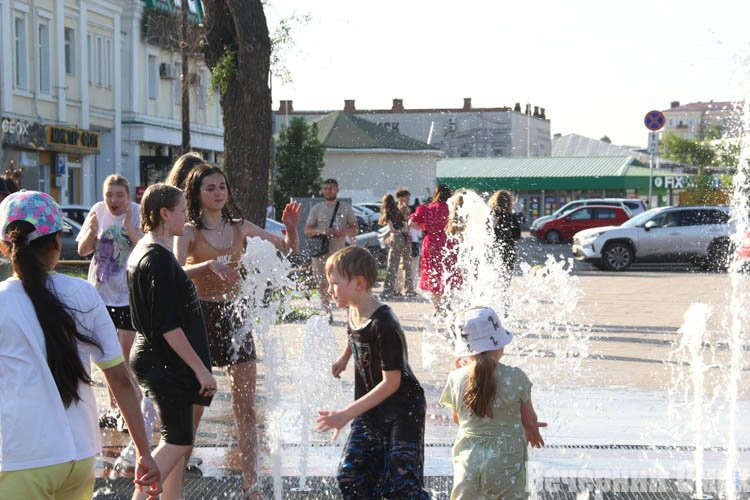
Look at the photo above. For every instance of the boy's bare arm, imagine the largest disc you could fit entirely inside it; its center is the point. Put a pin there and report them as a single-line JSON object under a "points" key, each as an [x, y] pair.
{"points": [[339, 365], [337, 419]]}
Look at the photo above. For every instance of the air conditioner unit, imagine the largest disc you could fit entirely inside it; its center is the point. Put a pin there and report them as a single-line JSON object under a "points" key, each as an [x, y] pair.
{"points": [[168, 72]]}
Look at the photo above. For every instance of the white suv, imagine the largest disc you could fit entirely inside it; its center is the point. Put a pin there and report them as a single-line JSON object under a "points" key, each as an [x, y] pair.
{"points": [[700, 235], [633, 205]]}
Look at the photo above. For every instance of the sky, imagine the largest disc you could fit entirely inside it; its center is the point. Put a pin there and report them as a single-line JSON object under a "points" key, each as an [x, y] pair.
{"points": [[596, 67]]}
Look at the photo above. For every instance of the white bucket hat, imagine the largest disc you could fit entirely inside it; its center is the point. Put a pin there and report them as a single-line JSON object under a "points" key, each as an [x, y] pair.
{"points": [[479, 331]]}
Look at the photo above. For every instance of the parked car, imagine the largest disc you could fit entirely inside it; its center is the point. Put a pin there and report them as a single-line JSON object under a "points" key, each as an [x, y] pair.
{"points": [[76, 213], [584, 217], [370, 217], [696, 234], [69, 244], [371, 205], [743, 252], [373, 241], [276, 228], [634, 205]]}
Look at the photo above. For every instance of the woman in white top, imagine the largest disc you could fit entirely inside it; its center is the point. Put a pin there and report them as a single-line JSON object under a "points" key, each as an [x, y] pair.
{"points": [[53, 326]]}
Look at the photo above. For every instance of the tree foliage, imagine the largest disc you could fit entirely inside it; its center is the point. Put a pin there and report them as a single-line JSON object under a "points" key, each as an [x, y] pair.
{"points": [[299, 160], [700, 153]]}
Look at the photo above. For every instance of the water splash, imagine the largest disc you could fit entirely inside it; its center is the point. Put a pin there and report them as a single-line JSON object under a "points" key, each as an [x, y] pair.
{"points": [[314, 380], [265, 291], [739, 298]]}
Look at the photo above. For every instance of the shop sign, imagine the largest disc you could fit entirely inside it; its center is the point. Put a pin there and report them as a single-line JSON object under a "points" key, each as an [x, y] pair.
{"points": [[22, 133], [72, 139], [672, 182]]}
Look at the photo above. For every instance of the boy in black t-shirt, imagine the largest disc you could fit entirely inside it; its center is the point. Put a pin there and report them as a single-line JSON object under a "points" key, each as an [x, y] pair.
{"points": [[384, 455]]}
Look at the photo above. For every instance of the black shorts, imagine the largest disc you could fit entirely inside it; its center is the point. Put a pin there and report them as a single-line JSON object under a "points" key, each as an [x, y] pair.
{"points": [[229, 345], [121, 317], [176, 417]]}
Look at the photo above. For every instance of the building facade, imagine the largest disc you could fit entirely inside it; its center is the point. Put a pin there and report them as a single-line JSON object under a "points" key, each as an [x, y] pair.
{"points": [[458, 132], [59, 88], [91, 87], [698, 120]]}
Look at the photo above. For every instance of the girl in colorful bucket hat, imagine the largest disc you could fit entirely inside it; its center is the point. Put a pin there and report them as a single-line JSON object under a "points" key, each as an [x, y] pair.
{"points": [[53, 327], [491, 402]]}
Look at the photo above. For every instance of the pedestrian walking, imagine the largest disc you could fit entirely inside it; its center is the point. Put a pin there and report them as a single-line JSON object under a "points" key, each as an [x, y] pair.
{"points": [[399, 246]]}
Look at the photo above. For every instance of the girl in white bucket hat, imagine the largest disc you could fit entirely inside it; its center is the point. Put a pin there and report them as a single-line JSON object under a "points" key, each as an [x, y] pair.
{"points": [[491, 402]]}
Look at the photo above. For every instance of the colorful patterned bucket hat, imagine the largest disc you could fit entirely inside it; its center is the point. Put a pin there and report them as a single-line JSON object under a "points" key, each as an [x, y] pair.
{"points": [[38, 209]]}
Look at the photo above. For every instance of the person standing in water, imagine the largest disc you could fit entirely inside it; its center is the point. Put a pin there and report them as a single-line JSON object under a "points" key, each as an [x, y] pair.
{"points": [[171, 358], [210, 249], [53, 326]]}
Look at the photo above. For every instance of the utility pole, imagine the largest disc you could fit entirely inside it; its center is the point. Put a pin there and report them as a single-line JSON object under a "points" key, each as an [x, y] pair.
{"points": [[184, 80]]}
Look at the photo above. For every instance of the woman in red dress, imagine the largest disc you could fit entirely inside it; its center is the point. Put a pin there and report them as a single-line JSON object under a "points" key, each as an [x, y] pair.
{"points": [[432, 219]]}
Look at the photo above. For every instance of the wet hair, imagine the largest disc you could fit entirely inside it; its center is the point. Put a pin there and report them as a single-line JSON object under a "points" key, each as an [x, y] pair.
{"points": [[331, 181], [156, 197], [193, 195], [388, 210], [61, 335], [501, 201], [402, 192], [116, 180], [442, 193], [353, 261], [181, 168], [481, 387]]}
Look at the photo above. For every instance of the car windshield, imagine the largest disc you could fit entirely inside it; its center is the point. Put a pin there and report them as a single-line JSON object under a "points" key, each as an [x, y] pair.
{"points": [[641, 218]]}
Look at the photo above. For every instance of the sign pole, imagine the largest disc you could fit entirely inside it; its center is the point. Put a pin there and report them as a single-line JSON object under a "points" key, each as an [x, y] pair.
{"points": [[650, 179], [654, 120]]}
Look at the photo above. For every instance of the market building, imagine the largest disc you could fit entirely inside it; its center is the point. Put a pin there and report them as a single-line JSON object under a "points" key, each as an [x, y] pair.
{"points": [[467, 131], [545, 184]]}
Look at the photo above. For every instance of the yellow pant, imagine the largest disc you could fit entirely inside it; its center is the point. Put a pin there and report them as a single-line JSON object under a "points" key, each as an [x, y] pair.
{"points": [[66, 481]]}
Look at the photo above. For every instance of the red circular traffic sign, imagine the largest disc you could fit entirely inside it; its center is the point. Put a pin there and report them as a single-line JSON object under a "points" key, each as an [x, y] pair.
{"points": [[654, 120]]}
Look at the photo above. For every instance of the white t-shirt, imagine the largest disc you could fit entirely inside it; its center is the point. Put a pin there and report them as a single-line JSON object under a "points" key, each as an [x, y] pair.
{"points": [[36, 430], [107, 270]]}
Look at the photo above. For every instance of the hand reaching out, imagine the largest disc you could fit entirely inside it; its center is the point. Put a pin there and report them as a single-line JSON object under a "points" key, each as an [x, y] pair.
{"points": [[291, 214], [331, 420], [533, 437], [339, 366]]}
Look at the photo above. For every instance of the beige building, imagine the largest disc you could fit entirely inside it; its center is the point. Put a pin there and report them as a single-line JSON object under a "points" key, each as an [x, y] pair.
{"points": [[59, 103], [696, 119], [369, 161], [92, 87]]}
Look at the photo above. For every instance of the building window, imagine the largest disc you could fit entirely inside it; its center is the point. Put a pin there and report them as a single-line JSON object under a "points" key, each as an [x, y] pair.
{"points": [[22, 76], [70, 51], [90, 56], [99, 56], [108, 63], [44, 60], [153, 77]]}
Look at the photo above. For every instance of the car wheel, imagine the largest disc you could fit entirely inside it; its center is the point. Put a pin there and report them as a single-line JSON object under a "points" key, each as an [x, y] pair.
{"points": [[552, 236], [617, 257]]}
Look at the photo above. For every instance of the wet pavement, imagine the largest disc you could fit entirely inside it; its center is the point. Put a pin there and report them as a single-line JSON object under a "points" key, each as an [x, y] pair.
{"points": [[608, 420]]}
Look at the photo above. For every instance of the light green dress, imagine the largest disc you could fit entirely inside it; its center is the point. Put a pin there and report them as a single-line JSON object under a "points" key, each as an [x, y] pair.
{"points": [[489, 455]]}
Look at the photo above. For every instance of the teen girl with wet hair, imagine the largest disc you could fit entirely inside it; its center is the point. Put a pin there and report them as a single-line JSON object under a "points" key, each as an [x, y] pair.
{"points": [[170, 357], [211, 248], [53, 327]]}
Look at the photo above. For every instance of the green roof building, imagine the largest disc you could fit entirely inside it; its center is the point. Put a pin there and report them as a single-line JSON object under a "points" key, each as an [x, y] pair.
{"points": [[546, 183]]}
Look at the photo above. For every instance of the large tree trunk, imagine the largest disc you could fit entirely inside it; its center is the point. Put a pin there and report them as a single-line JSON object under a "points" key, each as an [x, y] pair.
{"points": [[240, 25]]}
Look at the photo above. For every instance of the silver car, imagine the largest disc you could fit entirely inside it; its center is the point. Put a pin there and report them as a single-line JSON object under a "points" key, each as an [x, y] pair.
{"points": [[696, 234]]}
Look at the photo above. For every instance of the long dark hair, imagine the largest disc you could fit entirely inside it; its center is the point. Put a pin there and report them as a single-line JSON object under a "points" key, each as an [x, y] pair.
{"points": [[481, 388], [193, 196], [389, 210], [442, 193], [181, 168], [61, 336], [156, 197]]}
